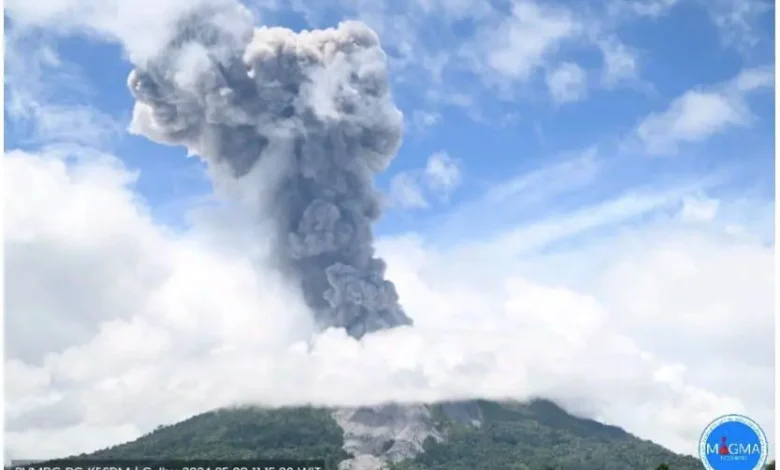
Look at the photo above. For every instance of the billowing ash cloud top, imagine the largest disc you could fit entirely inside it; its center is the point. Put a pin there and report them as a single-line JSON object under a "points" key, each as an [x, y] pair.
{"points": [[319, 102]]}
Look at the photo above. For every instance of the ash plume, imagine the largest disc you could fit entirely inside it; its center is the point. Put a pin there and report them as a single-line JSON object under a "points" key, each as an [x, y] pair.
{"points": [[318, 102]]}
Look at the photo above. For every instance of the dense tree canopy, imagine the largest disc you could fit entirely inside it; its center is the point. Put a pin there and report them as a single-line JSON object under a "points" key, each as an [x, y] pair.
{"points": [[513, 436], [540, 435], [244, 433]]}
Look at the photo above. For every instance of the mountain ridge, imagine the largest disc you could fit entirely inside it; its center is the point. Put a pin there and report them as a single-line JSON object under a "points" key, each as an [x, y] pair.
{"points": [[454, 435]]}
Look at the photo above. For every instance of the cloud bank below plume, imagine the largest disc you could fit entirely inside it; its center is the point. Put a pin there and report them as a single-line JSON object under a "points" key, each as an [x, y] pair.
{"points": [[196, 324]]}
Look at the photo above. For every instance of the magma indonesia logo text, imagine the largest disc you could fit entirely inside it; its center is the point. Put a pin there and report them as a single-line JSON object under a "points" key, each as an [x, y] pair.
{"points": [[733, 442]]}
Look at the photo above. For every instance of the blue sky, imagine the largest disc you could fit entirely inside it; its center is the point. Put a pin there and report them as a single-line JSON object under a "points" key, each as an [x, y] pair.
{"points": [[582, 186], [483, 80]]}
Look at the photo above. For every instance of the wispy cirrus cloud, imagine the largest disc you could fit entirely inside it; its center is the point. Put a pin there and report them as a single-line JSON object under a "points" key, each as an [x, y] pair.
{"points": [[46, 97], [422, 120], [701, 113], [738, 21], [412, 189], [451, 45], [567, 83], [621, 63], [524, 40]]}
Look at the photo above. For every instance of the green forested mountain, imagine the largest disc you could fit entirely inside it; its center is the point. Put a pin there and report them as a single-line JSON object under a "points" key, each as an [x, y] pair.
{"points": [[512, 436], [241, 433], [540, 435]]}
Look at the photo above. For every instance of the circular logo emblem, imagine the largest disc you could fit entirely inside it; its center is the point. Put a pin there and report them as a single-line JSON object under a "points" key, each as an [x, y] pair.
{"points": [[733, 442]]}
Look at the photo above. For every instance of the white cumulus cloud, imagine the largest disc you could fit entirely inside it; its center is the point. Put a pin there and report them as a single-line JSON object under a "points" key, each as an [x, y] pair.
{"points": [[145, 326]]}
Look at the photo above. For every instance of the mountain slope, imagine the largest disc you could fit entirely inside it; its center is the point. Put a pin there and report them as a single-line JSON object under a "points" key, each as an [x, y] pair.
{"points": [[541, 435], [241, 433], [461, 435]]}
